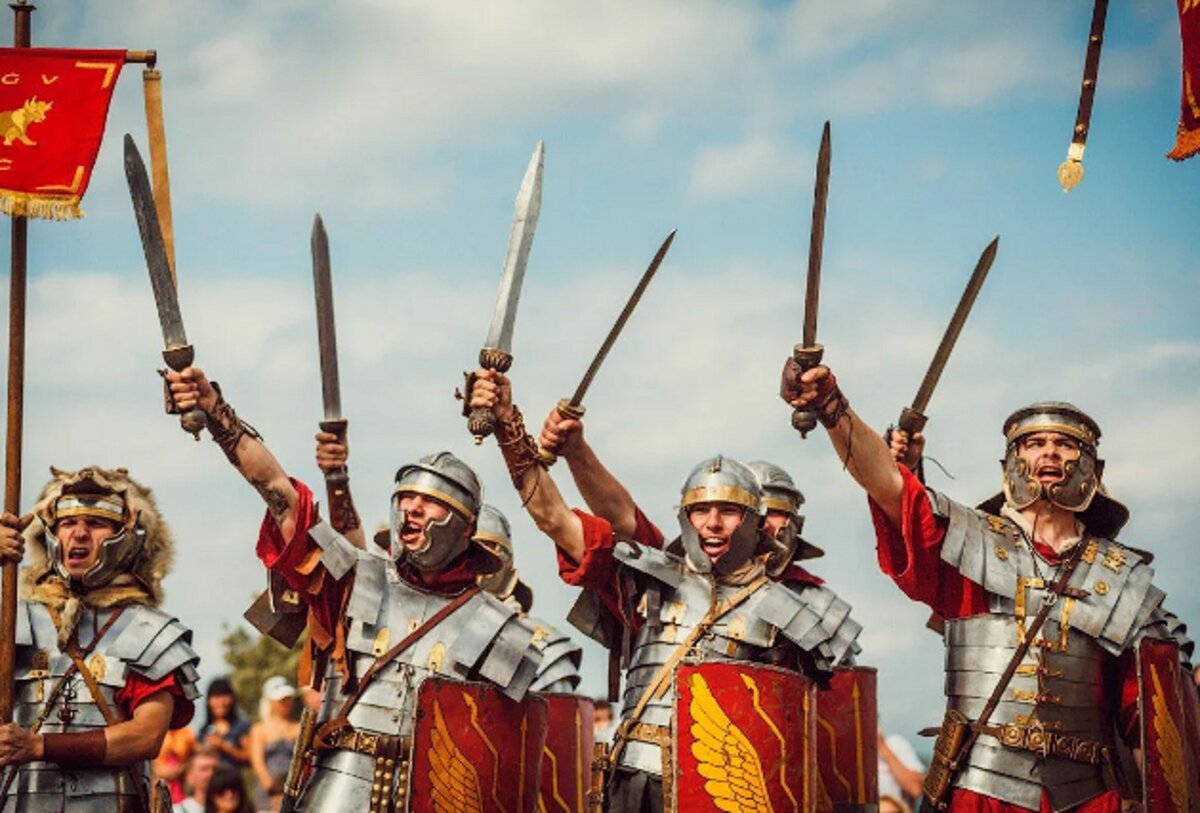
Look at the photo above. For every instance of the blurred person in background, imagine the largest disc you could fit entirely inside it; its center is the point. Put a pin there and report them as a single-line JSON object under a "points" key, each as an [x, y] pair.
{"points": [[890, 804], [603, 724], [901, 772], [177, 749], [196, 778], [272, 740], [227, 792], [226, 733]]}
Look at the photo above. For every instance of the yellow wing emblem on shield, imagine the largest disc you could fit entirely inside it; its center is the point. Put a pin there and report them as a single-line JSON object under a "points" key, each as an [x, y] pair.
{"points": [[1170, 746], [453, 779], [728, 762]]}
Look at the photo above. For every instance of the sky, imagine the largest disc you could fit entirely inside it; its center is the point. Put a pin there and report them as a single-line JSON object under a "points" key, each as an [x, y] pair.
{"points": [[408, 126]]}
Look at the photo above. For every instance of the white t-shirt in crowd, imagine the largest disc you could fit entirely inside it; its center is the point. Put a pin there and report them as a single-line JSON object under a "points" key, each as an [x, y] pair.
{"points": [[188, 805], [907, 756]]}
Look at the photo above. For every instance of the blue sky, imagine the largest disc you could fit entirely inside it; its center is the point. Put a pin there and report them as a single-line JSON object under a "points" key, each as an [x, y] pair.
{"points": [[408, 126]]}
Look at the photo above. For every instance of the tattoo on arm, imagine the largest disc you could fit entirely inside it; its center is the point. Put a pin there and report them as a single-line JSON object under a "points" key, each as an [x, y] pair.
{"points": [[276, 500]]}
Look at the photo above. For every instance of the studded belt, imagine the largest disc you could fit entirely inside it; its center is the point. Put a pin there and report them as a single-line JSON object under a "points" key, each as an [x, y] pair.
{"points": [[1048, 744], [389, 785]]}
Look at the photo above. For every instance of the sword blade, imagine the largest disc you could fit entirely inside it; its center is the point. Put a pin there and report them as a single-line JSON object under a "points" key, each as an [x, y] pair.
{"points": [[165, 296], [955, 327], [528, 207], [816, 240], [326, 326], [611, 339]]}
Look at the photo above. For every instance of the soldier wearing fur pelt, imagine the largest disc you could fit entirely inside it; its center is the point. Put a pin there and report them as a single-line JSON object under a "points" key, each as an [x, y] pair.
{"points": [[101, 672]]}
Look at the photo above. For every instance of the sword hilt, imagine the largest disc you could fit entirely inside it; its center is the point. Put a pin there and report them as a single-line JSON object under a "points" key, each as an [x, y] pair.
{"points": [[911, 421], [179, 359], [342, 514], [567, 410], [806, 357], [482, 421]]}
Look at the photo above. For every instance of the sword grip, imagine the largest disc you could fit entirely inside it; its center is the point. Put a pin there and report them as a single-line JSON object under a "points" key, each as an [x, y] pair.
{"points": [[482, 422], [567, 410], [342, 514], [179, 359], [911, 421], [806, 357]]}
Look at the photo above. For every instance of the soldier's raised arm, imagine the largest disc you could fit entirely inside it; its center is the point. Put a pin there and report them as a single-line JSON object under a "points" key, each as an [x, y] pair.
{"points": [[603, 493], [241, 443], [333, 454], [866, 456], [539, 494]]}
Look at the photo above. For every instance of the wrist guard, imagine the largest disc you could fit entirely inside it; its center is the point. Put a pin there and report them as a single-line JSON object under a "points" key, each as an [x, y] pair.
{"points": [[226, 427], [81, 749], [520, 452], [830, 404]]}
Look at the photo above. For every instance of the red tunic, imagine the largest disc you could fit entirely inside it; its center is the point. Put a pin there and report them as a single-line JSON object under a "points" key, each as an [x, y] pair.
{"points": [[137, 689], [911, 556]]}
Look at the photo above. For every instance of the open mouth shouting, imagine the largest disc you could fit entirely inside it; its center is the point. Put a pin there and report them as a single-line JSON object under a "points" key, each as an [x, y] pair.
{"points": [[714, 547], [1049, 471], [412, 534]]}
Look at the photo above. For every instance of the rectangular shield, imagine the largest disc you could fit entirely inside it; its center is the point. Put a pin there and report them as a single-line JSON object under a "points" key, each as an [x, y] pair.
{"points": [[743, 734], [475, 750], [567, 755], [1170, 767], [848, 739]]}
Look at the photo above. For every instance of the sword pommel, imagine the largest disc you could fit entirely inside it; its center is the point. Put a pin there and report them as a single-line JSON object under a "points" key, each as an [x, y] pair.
{"points": [[482, 421], [911, 421]]}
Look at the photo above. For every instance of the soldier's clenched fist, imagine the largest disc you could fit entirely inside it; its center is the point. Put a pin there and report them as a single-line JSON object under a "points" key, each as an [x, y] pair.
{"points": [[491, 390], [12, 544], [18, 746], [191, 389]]}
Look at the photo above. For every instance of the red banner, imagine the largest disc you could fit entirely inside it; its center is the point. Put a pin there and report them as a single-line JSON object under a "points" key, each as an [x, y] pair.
{"points": [[53, 106], [1187, 141]]}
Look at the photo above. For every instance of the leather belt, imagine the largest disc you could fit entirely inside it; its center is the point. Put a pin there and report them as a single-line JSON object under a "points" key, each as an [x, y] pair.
{"points": [[1048, 744], [659, 735], [389, 785]]}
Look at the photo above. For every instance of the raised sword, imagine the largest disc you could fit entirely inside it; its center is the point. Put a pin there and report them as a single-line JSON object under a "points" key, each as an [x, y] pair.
{"points": [[342, 514], [808, 353], [497, 347], [574, 408], [178, 354], [913, 418]]}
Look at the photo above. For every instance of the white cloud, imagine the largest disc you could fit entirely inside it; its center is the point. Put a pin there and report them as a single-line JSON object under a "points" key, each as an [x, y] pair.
{"points": [[746, 168]]}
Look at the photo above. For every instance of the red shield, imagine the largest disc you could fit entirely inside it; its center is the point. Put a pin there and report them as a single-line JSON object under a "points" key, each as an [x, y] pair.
{"points": [[848, 739], [474, 750], [567, 757], [744, 734], [1171, 770]]}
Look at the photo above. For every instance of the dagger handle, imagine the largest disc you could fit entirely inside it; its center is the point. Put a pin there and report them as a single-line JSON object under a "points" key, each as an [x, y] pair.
{"points": [[806, 357], [482, 422], [567, 410], [342, 514], [179, 359]]}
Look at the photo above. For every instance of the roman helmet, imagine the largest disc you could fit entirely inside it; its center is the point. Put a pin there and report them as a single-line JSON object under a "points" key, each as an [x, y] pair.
{"points": [[492, 531], [1080, 490], [720, 479], [779, 493], [141, 547], [450, 481]]}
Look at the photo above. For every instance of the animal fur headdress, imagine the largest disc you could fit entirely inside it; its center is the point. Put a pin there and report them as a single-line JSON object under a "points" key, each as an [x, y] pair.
{"points": [[141, 583]]}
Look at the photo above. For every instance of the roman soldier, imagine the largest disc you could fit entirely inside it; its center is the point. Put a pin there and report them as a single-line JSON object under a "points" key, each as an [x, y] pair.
{"points": [[1043, 609], [712, 604], [102, 673], [561, 657], [782, 521], [389, 624]]}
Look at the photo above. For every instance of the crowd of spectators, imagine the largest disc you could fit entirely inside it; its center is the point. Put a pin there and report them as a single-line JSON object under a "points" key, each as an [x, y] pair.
{"points": [[232, 765]]}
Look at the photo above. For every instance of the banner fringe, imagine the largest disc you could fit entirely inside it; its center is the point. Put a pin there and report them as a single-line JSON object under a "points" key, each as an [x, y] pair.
{"points": [[1187, 144], [22, 204]]}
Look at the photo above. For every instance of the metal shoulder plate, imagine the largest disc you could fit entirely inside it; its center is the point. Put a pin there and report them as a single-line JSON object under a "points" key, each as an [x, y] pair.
{"points": [[992, 552], [370, 585], [814, 619], [504, 641], [561, 658], [338, 556], [654, 562], [24, 631], [154, 644], [1165, 625]]}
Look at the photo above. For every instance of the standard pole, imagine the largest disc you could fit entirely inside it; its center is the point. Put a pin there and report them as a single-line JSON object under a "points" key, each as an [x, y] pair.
{"points": [[22, 11]]}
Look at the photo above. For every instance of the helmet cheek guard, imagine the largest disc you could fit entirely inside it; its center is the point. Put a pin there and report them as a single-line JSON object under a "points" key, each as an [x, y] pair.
{"points": [[1081, 480], [782, 546], [443, 541], [117, 555]]}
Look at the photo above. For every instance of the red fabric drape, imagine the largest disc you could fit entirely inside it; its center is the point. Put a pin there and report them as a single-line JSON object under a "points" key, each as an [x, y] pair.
{"points": [[1187, 141]]}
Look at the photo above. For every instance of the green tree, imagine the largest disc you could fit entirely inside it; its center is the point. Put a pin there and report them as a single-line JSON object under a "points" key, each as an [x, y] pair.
{"points": [[253, 658]]}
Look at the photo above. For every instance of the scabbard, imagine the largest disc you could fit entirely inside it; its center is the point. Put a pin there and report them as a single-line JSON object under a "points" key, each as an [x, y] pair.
{"points": [[296, 768]]}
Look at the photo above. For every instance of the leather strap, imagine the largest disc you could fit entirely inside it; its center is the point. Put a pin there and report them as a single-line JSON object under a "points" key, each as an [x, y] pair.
{"points": [[1058, 588], [658, 685]]}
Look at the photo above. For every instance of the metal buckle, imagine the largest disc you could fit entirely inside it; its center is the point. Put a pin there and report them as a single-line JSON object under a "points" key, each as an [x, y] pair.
{"points": [[1012, 735]]}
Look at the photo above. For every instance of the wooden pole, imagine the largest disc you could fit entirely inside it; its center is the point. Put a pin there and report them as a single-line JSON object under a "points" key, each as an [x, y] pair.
{"points": [[22, 11]]}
